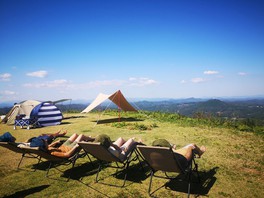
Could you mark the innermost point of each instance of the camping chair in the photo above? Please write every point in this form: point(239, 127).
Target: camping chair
point(103, 155)
point(14, 147)
point(52, 159)
point(27, 122)
point(164, 159)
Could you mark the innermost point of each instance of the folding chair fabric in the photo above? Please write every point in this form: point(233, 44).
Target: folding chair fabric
point(103, 155)
point(164, 159)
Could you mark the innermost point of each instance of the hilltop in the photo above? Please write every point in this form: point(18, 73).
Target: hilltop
point(233, 160)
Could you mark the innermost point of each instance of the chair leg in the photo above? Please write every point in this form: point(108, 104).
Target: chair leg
point(90, 160)
point(189, 179)
point(73, 164)
point(126, 170)
point(39, 159)
point(98, 170)
point(189, 183)
point(196, 170)
point(150, 182)
point(47, 173)
point(20, 160)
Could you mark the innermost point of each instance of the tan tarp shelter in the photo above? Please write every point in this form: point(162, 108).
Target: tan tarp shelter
point(117, 98)
point(24, 107)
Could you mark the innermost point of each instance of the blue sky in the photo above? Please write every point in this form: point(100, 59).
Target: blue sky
point(53, 49)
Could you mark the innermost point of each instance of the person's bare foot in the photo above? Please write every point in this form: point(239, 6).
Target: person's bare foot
point(140, 140)
point(64, 133)
point(202, 150)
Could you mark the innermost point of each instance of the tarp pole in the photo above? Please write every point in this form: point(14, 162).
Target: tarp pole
point(119, 106)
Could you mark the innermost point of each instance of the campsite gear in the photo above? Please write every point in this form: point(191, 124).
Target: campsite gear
point(27, 122)
point(106, 158)
point(164, 159)
point(117, 98)
point(20, 110)
point(37, 153)
point(47, 114)
point(7, 137)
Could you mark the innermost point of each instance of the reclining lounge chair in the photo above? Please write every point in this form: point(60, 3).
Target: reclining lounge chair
point(12, 146)
point(103, 155)
point(39, 154)
point(53, 160)
point(164, 159)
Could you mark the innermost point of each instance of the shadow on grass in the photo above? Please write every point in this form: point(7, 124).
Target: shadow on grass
point(30, 191)
point(135, 174)
point(106, 121)
point(76, 173)
point(73, 117)
point(79, 172)
point(64, 123)
point(197, 188)
point(66, 170)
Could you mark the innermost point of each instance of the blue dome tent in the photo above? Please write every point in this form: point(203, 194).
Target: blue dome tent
point(47, 114)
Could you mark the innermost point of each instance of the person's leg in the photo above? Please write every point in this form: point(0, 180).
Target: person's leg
point(128, 143)
point(119, 142)
point(187, 151)
point(199, 150)
point(56, 134)
point(127, 146)
point(73, 137)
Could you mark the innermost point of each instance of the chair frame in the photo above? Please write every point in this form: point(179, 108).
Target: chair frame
point(106, 157)
point(53, 160)
point(37, 153)
point(146, 151)
point(14, 148)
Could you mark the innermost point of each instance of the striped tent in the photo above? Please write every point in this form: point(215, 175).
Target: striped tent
point(47, 114)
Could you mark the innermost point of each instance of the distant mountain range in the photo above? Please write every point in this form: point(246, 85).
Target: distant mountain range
point(231, 109)
point(226, 107)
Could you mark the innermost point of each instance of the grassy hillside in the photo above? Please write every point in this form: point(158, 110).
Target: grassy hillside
point(231, 167)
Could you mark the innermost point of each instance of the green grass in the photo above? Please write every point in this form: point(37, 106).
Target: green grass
point(231, 167)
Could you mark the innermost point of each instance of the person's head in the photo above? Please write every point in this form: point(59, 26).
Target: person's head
point(104, 140)
point(161, 143)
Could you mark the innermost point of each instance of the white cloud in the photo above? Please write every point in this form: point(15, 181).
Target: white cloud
point(183, 82)
point(49, 84)
point(210, 72)
point(5, 77)
point(98, 83)
point(142, 81)
point(8, 93)
point(198, 80)
point(39, 74)
point(242, 74)
point(65, 84)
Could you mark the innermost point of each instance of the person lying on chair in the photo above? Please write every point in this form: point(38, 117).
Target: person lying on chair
point(44, 140)
point(120, 148)
point(184, 154)
point(41, 141)
point(69, 146)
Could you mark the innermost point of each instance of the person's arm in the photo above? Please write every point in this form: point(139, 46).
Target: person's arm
point(116, 147)
point(70, 152)
point(54, 143)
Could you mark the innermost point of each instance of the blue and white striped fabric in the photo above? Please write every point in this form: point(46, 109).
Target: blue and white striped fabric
point(47, 114)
